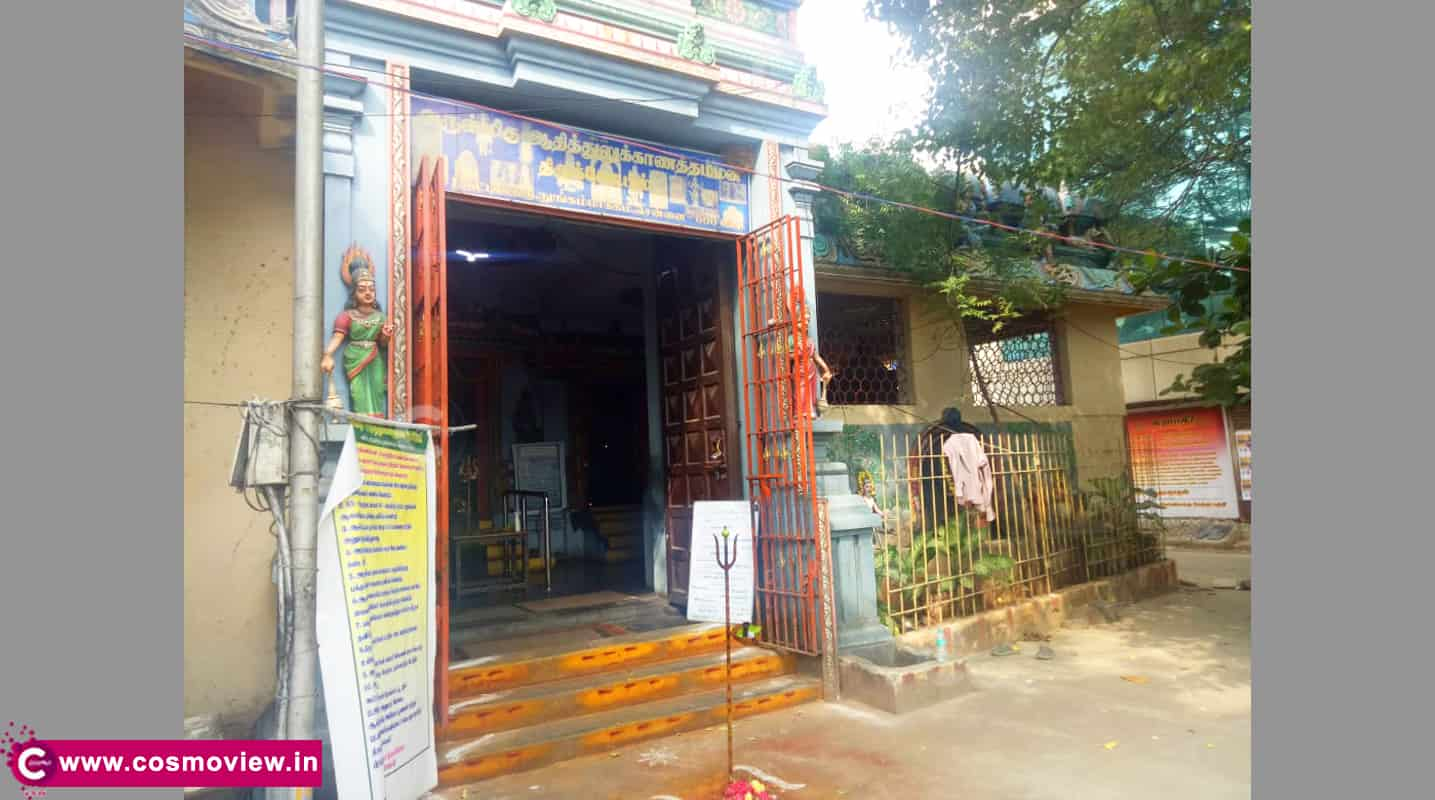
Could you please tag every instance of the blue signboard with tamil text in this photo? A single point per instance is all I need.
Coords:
(502, 157)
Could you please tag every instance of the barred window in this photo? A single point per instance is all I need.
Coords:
(1018, 363)
(863, 339)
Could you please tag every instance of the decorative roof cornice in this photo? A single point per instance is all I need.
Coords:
(745, 63)
(234, 22)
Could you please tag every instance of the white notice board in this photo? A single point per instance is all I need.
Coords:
(705, 578)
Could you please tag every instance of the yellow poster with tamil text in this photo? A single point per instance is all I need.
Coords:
(376, 613)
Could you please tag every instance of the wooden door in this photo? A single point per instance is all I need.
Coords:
(699, 410)
(428, 294)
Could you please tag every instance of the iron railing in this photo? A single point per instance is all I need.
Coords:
(937, 561)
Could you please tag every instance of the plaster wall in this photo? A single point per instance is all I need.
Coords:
(939, 377)
(238, 287)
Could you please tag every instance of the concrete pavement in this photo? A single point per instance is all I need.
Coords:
(1156, 704)
(1204, 566)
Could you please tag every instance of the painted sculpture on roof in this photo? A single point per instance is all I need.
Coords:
(364, 332)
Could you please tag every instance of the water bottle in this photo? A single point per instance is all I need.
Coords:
(941, 645)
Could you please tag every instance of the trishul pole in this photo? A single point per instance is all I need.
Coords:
(726, 560)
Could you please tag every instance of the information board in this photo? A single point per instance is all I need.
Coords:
(541, 467)
(375, 617)
(705, 578)
(1185, 457)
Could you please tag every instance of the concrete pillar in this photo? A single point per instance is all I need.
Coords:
(802, 170)
(854, 574)
(655, 496)
(342, 111)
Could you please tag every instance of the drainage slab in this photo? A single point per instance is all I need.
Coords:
(899, 679)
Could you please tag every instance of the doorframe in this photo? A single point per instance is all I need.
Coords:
(599, 219)
(728, 299)
(727, 279)
(726, 290)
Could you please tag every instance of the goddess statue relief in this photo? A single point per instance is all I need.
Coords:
(367, 331)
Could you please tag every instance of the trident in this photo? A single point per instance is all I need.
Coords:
(726, 560)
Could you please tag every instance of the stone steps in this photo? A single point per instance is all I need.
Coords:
(529, 748)
(515, 708)
(551, 696)
(562, 660)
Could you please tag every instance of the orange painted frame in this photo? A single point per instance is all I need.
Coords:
(777, 353)
(428, 297)
(429, 378)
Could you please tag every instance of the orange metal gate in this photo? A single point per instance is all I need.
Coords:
(778, 395)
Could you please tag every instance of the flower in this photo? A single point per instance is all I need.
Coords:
(742, 790)
(737, 790)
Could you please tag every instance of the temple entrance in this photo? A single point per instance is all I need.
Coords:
(596, 363)
(584, 380)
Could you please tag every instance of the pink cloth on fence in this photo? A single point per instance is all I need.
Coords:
(971, 472)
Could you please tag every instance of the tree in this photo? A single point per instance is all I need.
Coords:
(1225, 321)
(1144, 104)
(973, 272)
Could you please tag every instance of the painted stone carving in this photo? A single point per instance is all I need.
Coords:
(545, 10)
(807, 86)
(693, 45)
(364, 332)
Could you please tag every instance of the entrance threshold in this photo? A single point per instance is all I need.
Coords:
(494, 630)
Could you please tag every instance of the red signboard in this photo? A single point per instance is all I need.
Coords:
(1185, 457)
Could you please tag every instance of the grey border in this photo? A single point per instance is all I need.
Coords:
(90, 575)
(92, 595)
(1341, 649)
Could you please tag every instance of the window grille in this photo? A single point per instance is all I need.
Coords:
(1018, 363)
(863, 340)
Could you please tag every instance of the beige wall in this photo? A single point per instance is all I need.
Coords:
(1147, 368)
(1091, 372)
(238, 241)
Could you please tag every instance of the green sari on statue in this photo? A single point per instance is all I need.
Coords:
(363, 364)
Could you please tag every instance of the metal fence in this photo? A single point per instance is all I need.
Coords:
(936, 560)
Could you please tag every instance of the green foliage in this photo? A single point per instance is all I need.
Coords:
(858, 448)
(996, 568)
(946, 551)
(1227, 322)
(1145, 104)
(1119, 504)
(973, 272)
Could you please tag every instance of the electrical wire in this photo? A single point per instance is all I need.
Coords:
(1051, 235)
(213, 404)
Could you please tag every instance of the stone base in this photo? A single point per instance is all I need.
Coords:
(858, 636)
(898, 679)
(1084, 603)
